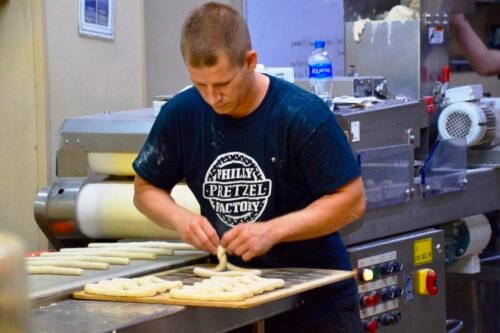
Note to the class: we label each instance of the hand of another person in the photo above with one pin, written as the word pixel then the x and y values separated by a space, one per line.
pixel 198 232
pixel 457 19
pixel 248 240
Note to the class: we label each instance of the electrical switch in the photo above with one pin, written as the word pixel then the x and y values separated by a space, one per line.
pixel 426 282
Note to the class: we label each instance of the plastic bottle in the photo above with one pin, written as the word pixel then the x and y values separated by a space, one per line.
pixel 321 72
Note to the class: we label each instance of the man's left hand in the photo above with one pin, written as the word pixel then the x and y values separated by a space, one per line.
pixel 248 240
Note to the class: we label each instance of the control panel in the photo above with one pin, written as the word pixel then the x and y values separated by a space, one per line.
pixel 401 283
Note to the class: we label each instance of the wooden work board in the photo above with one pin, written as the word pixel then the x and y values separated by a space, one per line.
pixel 297 280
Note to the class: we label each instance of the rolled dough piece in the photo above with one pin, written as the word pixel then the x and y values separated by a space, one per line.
pixel 109 260
pixel 122 254
pixel 149 244
pixel 53 270
pixel 157 251
pixel 70 263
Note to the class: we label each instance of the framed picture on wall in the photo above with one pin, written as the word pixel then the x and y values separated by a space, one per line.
pixel 97 18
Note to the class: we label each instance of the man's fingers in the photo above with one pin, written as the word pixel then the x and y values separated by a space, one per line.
pixel 210 238
pixel 240 249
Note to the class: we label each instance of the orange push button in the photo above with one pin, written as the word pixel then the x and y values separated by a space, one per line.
pixel 426 282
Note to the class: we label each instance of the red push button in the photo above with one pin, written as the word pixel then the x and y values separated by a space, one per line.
pixel 446 73
pixel 370 299
pixel 370 326
pixel 431 283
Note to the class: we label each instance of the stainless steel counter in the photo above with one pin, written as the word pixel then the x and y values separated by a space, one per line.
pixel 78 316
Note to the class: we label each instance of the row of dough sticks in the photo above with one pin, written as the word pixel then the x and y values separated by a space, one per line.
pixel 98 256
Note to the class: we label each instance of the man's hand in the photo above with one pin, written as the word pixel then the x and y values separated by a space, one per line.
pixel 248 240
pixel 198 232
pixel 157 204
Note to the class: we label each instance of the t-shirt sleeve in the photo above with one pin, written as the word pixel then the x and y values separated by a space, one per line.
pixel 158 161
pixel 326 159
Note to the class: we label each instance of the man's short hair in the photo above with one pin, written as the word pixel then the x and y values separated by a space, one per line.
pixel 211 30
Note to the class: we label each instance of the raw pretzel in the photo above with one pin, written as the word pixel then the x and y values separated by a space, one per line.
pixel 219 270
pixel 138 287
pixel 226 289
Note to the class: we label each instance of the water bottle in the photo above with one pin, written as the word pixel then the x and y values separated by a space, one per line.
pixel 321 72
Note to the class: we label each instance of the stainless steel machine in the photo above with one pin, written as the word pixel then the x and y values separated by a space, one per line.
pixel 416 185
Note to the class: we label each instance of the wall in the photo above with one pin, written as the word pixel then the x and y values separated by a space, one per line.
pixel 165 71
pixel 88 75
pixel 287 39
pixel 18 111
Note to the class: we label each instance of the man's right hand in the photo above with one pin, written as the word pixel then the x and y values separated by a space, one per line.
pixel 198 232
pixel 157 204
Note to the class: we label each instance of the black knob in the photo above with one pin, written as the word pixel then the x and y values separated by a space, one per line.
pixel 386 268
pixel 396 315
pixel 396 266
pixel 398 292
pixel 387 319
pixel 387 294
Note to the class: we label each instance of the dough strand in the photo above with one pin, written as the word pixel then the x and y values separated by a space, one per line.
pixel 53 270
pixel 68 263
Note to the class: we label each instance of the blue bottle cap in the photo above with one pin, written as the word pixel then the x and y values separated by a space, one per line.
pixel 319 44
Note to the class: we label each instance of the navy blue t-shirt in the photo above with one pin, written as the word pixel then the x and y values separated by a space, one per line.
pixel 280 158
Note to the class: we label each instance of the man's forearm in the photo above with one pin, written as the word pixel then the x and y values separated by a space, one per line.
pixel 324 216
pixel 157 205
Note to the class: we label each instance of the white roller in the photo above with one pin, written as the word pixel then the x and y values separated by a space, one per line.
pixel 479 233
pixel 117 164
pixel 106 210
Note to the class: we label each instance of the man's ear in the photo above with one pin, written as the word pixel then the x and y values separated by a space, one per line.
pixel 251 60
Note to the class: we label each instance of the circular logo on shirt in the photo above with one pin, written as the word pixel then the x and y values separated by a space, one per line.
pixel 236 188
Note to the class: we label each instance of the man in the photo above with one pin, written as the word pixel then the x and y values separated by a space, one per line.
pixel 271 169
pixel 483 61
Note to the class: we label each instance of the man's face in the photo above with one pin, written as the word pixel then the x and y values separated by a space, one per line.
pixel 223 86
